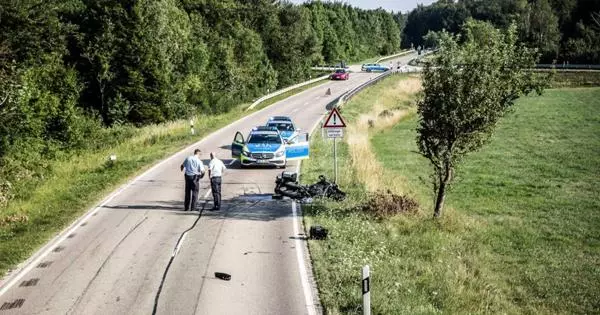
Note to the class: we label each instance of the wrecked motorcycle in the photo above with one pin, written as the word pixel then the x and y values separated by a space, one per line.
pixel 287 185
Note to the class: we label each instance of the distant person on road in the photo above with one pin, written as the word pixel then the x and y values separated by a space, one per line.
pixel 216 168
pixel 194 171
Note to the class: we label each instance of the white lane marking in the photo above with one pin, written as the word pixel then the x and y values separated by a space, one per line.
pixel 303 272
pixel 308 296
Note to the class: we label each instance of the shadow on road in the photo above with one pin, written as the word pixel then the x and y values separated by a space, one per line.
pixel 157 205
pixel 251 207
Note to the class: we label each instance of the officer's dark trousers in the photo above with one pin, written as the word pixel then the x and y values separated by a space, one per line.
pixel 215 186
pixel 192 185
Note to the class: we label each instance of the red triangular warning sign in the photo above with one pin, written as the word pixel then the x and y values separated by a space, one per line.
pixel 334 120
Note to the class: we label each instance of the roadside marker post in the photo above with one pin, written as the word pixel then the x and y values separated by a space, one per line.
pixel 334 125
pixel 366 290
pixel 192 126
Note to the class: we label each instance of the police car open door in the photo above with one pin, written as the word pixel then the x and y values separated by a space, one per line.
pixel 298 149
pixel 237 145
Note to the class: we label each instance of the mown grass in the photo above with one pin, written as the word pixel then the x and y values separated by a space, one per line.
pixel 520 231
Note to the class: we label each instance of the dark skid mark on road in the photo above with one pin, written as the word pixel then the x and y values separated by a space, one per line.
pixel 30 282
pixel 14 304
pixel 44 264
pixel 164 277
pixel 254 197
pixel 58 249
pixel 87 287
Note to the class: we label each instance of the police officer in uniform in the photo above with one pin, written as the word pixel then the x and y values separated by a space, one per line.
pixel 194 171
pixel 215 171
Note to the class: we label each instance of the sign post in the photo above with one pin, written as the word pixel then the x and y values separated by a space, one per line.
pixel 334 124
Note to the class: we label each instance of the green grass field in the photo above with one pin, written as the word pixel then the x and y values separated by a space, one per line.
pixel 520 234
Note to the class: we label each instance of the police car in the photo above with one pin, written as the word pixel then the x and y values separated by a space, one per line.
pixel 265 146
pixel 285 126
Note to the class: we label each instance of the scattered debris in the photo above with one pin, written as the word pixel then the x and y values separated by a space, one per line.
pixel 317 232
pixel 13 218
pixel 386 204
pixel 223 276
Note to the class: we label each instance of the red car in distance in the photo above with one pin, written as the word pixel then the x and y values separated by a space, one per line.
pixel 340 74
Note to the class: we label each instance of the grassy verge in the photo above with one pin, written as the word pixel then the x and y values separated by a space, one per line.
pixel 72 184
pixel 520 235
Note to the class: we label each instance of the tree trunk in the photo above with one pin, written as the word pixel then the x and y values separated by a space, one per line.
pixel 439 202
pixel 441 193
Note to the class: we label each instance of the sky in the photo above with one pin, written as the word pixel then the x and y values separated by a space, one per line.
pixel 390 5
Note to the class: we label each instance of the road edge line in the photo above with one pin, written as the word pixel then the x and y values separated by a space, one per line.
pixel 302 250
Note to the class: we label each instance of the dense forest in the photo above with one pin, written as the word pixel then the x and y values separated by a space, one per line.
pixel 562 30
pixel 69 67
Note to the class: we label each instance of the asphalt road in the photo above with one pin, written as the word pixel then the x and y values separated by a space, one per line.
pixel 139 253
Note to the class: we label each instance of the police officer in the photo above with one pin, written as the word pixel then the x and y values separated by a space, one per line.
pixel 194 171
pixel 215 171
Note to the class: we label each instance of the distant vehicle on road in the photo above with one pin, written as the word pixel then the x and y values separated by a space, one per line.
pixel 365 65
pixel 340 74
pixel 265 146
pixel 374 67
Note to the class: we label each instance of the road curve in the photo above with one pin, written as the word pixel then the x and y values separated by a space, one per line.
pixel 139 253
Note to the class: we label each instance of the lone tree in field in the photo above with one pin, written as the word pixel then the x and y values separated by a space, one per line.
pixel 467 87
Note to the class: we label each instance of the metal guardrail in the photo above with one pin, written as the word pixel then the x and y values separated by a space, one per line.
pixel 342 99
pixel 567 66
pixel 328 68
pixel 279 92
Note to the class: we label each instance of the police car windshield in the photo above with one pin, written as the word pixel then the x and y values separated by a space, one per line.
pixel 282 126
pixel 264 138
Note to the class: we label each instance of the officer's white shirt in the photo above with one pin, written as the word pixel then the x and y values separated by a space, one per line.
pixel 216 167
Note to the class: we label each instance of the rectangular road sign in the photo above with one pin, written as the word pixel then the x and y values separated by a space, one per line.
pixel 335 132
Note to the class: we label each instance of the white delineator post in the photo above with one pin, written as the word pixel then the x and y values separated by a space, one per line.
pixel 192 126
pixel 366 290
